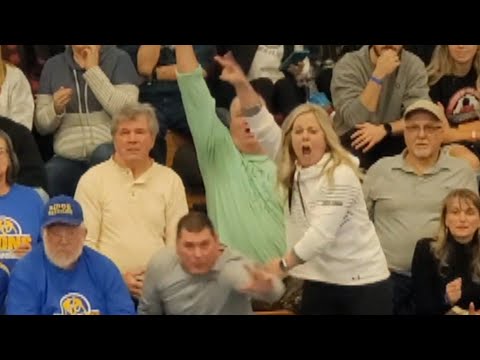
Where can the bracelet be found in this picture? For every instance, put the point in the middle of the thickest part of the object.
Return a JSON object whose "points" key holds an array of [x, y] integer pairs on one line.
{"points": [[376, 80]]}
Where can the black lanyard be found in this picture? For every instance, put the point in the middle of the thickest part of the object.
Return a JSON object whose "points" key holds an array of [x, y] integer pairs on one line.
{"points": [[290, 192]]}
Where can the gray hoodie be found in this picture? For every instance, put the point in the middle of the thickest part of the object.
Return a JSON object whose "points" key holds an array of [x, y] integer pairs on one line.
{"points": [[97, 94]]}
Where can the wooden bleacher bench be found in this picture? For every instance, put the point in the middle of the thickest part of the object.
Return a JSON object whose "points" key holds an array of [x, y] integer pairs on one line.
{"points": [[174, 141], [275, 312]]}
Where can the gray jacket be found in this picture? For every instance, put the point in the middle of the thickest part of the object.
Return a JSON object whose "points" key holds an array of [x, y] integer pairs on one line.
{"points": [[97, 94]]}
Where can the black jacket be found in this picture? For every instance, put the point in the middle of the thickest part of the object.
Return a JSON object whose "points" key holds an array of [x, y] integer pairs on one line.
{"points": [[32, 169], [429, 285]]}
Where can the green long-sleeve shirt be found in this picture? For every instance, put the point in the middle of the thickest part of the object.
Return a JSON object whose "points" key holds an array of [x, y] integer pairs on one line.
{"points": [[241, 189]]}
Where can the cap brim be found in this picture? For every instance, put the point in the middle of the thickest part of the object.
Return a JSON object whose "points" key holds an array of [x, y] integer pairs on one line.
{"points": [[62, 221]]}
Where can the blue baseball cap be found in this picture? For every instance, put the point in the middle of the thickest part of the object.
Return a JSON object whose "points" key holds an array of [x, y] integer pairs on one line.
{"points": [[62, 210]]}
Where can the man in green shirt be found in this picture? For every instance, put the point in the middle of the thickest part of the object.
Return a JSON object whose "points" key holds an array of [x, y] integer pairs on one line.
{"points": [[240, 180]]}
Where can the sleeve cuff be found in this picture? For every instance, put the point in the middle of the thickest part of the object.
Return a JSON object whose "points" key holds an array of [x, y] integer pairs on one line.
{"points": [[195, 73], [303, 251]]}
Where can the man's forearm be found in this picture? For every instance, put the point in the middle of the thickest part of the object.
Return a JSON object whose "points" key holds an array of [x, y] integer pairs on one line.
{"points": [[147, 59], [371, 95], [186, 59], [247, 95], [398, 127]]}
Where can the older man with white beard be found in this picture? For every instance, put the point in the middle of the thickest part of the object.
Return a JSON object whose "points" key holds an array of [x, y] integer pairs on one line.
{"points": [[63, 277], [404, 193]]}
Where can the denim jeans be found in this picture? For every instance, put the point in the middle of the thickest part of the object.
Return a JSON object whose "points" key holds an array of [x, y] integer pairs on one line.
{"points": [[63, 174]]}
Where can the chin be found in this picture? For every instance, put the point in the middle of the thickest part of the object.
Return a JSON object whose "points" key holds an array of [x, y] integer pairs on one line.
{"points": [[197, 271], [423, 154], [63, 259]]}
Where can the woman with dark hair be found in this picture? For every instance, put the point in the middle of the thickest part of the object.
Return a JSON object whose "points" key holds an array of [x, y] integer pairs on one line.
{"points": [[20, 214], [446, 270]]}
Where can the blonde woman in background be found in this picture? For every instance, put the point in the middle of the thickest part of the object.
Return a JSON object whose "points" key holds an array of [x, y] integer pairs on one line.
{"points": [[16, 99], [446, 270], [454, 80]]}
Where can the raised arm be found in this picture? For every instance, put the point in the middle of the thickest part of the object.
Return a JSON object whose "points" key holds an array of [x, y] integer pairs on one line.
{"points": [[147, 59], [186, 60], [261, 122], [205, 126]]}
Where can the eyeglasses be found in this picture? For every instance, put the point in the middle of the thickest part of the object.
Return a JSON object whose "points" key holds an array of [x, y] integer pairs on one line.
{"points": [[427, 129]]}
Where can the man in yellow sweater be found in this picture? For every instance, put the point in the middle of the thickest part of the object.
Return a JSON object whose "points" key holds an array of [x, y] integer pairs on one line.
{"points": [[132, 204]]}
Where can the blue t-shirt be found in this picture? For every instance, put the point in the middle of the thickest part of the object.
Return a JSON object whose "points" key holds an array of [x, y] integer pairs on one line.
{"points": [[4, 277], [20, 219], [94, 287]]}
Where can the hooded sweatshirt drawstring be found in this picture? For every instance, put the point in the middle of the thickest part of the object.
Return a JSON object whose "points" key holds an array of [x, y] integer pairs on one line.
{"points": [[80, 111]]}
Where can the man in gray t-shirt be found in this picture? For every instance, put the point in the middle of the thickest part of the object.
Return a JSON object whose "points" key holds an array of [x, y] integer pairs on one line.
{"points": [[404, 194], [371, 88], [202, 277]]}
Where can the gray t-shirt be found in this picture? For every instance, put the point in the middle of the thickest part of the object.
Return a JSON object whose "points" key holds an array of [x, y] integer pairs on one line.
{"points": [[170, 290], [406, 207]]}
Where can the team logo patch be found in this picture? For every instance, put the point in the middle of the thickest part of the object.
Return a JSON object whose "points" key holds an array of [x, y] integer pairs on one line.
{"points": [[76, 304], [11, 237]]}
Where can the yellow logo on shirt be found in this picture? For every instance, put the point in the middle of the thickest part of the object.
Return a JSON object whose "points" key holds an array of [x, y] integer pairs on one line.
{"points": [[60, 209], [76, 304], [11, 237]]}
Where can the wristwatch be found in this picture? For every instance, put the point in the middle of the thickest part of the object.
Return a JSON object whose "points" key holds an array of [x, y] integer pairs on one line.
{"points": [[388, 129], [283, 265]]}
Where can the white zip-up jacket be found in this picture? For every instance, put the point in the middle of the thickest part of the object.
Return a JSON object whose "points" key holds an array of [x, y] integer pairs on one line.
{"points": [[331, 231]]}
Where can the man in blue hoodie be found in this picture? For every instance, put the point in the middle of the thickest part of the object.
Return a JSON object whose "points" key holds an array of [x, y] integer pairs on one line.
{"points": [[63, 277], [79, 91]]}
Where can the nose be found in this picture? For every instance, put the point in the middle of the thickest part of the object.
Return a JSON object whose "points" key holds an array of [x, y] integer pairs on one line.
{"points": [[197, 252], [421, 132], [63, 238], [132, 137]]}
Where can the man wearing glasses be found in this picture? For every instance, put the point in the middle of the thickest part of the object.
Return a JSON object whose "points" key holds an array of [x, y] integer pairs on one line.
{"points": [[404, 193]]}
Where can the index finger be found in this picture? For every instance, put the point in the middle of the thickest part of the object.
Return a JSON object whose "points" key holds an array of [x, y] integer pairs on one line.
{"points": [[219, 59]]}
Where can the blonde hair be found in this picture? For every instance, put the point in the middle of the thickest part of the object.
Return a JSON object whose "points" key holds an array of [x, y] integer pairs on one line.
{"points": [[3, 67], [442, 246], [287, 158], [443, 64]]}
